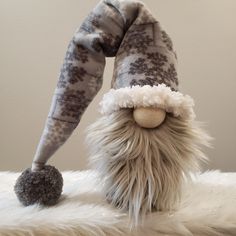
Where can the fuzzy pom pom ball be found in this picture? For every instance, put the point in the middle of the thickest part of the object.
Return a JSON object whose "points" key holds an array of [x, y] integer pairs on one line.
{"points": [[43, 186]]}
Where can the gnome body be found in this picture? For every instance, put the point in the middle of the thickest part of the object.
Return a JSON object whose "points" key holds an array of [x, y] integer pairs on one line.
{"points": [[146, 141]]}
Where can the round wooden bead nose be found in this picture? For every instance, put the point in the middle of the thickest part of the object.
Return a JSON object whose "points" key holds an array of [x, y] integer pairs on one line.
{"points": [[148, 117]]}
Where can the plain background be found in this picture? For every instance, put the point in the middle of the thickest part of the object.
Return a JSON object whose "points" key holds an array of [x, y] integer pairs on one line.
{"points": [[34, 35]]}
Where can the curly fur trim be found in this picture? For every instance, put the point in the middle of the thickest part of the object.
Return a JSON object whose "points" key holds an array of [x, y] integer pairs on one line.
{"points": [[143, 169], [148, 96]]}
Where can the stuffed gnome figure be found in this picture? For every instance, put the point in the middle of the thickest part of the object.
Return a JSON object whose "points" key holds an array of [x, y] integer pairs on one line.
{"points": [[147, 140]]}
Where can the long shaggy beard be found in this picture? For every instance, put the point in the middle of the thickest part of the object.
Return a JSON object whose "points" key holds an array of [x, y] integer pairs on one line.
{"points": [[143, 169]]}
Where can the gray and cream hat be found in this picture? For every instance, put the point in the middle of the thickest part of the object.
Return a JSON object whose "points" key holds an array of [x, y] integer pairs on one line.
{"points": [[144, 71]]}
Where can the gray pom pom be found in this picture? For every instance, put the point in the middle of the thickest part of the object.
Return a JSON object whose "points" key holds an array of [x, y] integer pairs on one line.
{"points": [[43, 187]]}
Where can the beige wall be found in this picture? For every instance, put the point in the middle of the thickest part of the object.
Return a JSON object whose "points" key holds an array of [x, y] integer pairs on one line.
{"points": [[33, 38]]}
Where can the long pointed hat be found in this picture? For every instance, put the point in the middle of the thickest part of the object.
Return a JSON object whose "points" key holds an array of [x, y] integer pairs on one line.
{"points": [[144, 76]]}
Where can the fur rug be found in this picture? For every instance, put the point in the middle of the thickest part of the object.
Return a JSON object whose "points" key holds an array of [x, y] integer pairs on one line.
{"points": [[208, 207]]}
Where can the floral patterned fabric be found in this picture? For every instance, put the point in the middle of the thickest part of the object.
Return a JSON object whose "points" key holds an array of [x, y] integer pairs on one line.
{"points": [[143, 54]]}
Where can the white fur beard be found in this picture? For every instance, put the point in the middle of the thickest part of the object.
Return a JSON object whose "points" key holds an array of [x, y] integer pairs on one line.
{"points": [[143, 169]]}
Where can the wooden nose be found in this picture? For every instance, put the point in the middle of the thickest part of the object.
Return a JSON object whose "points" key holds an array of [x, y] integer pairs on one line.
{"points": [[148, 117]]}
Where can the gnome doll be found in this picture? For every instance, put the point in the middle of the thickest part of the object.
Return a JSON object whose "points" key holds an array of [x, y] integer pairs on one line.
{"points": [[146, 142]]}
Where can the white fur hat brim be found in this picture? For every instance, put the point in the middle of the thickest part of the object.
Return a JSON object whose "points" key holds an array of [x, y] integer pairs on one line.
{"points": [[159, 96]]}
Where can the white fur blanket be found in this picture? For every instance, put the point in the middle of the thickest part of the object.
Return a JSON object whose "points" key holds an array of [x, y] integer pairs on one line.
{"points": [[208, 207]]}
